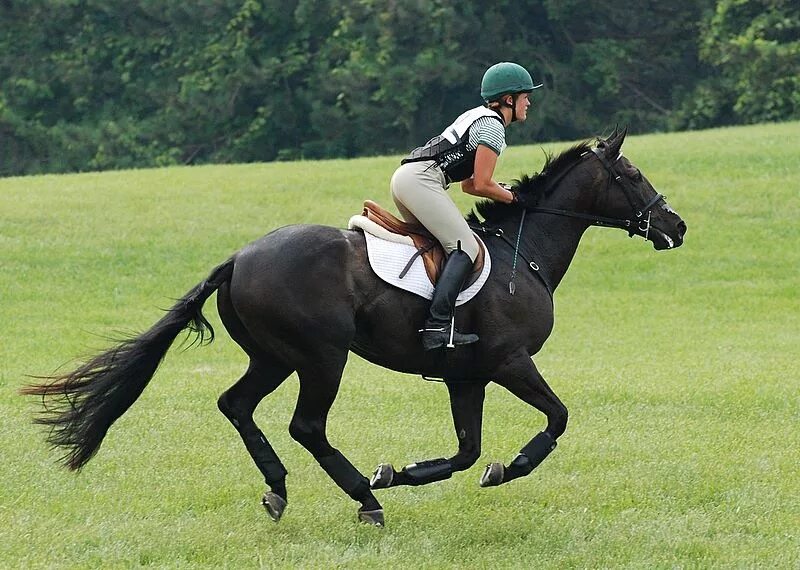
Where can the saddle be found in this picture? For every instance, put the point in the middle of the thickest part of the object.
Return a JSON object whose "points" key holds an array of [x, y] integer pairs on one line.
{"points": [[427, 246]]}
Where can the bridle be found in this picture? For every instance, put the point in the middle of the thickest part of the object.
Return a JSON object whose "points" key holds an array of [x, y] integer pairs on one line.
{"points": [[640, 220]]}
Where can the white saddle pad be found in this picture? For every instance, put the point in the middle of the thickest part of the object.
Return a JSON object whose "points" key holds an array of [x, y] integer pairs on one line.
{"points": [[389, 258]]}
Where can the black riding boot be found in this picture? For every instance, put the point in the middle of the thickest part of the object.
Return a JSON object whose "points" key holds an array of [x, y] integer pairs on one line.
{"points": [[436, 333]]}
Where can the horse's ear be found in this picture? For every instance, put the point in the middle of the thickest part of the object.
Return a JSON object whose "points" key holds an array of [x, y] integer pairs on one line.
{"points": [[615, 141]]}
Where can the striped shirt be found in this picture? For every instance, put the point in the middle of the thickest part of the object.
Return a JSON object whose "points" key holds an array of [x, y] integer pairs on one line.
{"points": [[487, 131]]}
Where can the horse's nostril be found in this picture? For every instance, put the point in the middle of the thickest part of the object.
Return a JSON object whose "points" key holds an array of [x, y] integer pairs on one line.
{"points": [[682, 228]]}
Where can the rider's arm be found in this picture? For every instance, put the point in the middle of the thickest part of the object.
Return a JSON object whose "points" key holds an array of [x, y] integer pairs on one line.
{"points": [[481, 183]]}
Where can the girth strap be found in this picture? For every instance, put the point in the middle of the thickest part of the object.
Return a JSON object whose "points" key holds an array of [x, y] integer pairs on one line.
{"points": [[419, 252]]}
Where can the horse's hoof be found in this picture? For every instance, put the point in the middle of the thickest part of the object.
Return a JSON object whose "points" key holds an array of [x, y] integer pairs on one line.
{"points": [[275, 505], [492, 475], [382, 477], [375, 518]]}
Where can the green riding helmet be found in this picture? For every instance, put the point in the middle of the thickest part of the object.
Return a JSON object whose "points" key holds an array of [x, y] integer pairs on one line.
{"points": [[506, 77]]}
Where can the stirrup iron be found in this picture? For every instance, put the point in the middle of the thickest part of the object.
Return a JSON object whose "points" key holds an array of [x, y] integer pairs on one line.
{"points": [[452, 332]]}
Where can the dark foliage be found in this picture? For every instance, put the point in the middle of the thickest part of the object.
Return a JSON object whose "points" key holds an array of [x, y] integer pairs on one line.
{"points": [[95, 84]]}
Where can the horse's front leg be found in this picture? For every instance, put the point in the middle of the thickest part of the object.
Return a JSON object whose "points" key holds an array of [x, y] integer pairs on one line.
{"points": [[520, 376], [466, 404]]}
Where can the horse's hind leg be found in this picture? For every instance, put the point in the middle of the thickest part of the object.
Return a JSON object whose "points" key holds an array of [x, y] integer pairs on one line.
{"points": [[466, 404], [238, 404], [319, 384]]}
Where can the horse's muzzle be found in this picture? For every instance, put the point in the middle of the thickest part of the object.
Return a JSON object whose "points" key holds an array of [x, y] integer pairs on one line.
{"points": [[663, 240]]}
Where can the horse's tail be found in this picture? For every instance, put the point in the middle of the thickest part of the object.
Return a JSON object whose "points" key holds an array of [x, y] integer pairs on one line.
{"points": [[81, 406]]}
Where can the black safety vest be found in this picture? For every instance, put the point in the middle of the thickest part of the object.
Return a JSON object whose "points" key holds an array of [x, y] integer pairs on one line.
{"points": [[449, 149]]}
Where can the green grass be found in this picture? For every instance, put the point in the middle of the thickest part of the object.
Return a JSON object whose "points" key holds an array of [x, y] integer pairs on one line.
{"points": [[679, 369]]}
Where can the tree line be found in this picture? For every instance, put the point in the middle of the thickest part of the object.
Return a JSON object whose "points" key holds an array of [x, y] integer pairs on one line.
{"points": [[102, 84]]}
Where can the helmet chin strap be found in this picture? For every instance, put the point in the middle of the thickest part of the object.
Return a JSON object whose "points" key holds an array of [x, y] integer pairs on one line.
{"points": [[512, 106]]}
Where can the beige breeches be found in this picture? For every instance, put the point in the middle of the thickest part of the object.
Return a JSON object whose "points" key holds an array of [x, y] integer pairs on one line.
{"points": [[419, 191]]}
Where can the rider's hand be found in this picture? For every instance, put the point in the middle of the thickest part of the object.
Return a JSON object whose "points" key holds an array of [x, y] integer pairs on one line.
{"points": [[516, 197]]}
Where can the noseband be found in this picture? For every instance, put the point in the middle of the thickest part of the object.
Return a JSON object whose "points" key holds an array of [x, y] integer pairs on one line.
{"points": [[641, 215]]}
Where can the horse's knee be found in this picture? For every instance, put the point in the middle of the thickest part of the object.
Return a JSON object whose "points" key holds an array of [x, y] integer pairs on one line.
{"points": [[557, 421], [465, 458]]}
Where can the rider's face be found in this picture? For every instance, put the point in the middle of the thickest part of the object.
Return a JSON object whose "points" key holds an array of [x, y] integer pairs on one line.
{"points": [[523, 102]]}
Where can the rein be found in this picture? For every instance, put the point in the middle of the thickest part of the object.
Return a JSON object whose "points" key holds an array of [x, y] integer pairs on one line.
{"points": [[639, 221]]}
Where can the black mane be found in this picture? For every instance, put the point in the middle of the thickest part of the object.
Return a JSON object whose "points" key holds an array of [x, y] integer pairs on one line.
{"points": [[533, 187]]}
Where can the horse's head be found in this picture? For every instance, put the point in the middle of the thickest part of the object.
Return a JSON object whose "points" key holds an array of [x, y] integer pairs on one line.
{"points": [[629, 196], [604, 188]]}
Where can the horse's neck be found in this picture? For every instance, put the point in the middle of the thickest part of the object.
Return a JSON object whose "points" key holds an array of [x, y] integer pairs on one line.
{"points": [[555, 238]]}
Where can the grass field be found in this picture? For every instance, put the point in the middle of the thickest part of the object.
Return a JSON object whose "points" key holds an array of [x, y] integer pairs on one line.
{"points": [[680, 370]]}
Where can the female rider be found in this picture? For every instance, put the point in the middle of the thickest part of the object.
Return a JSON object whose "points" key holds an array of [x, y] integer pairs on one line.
{"points": [[465, 152]]}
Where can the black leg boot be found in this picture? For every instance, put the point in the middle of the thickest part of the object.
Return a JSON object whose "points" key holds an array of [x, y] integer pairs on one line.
{"points": [[437, 333]]}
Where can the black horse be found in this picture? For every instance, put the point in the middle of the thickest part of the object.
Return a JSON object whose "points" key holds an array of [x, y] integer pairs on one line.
{"points": [[301, 298]]}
